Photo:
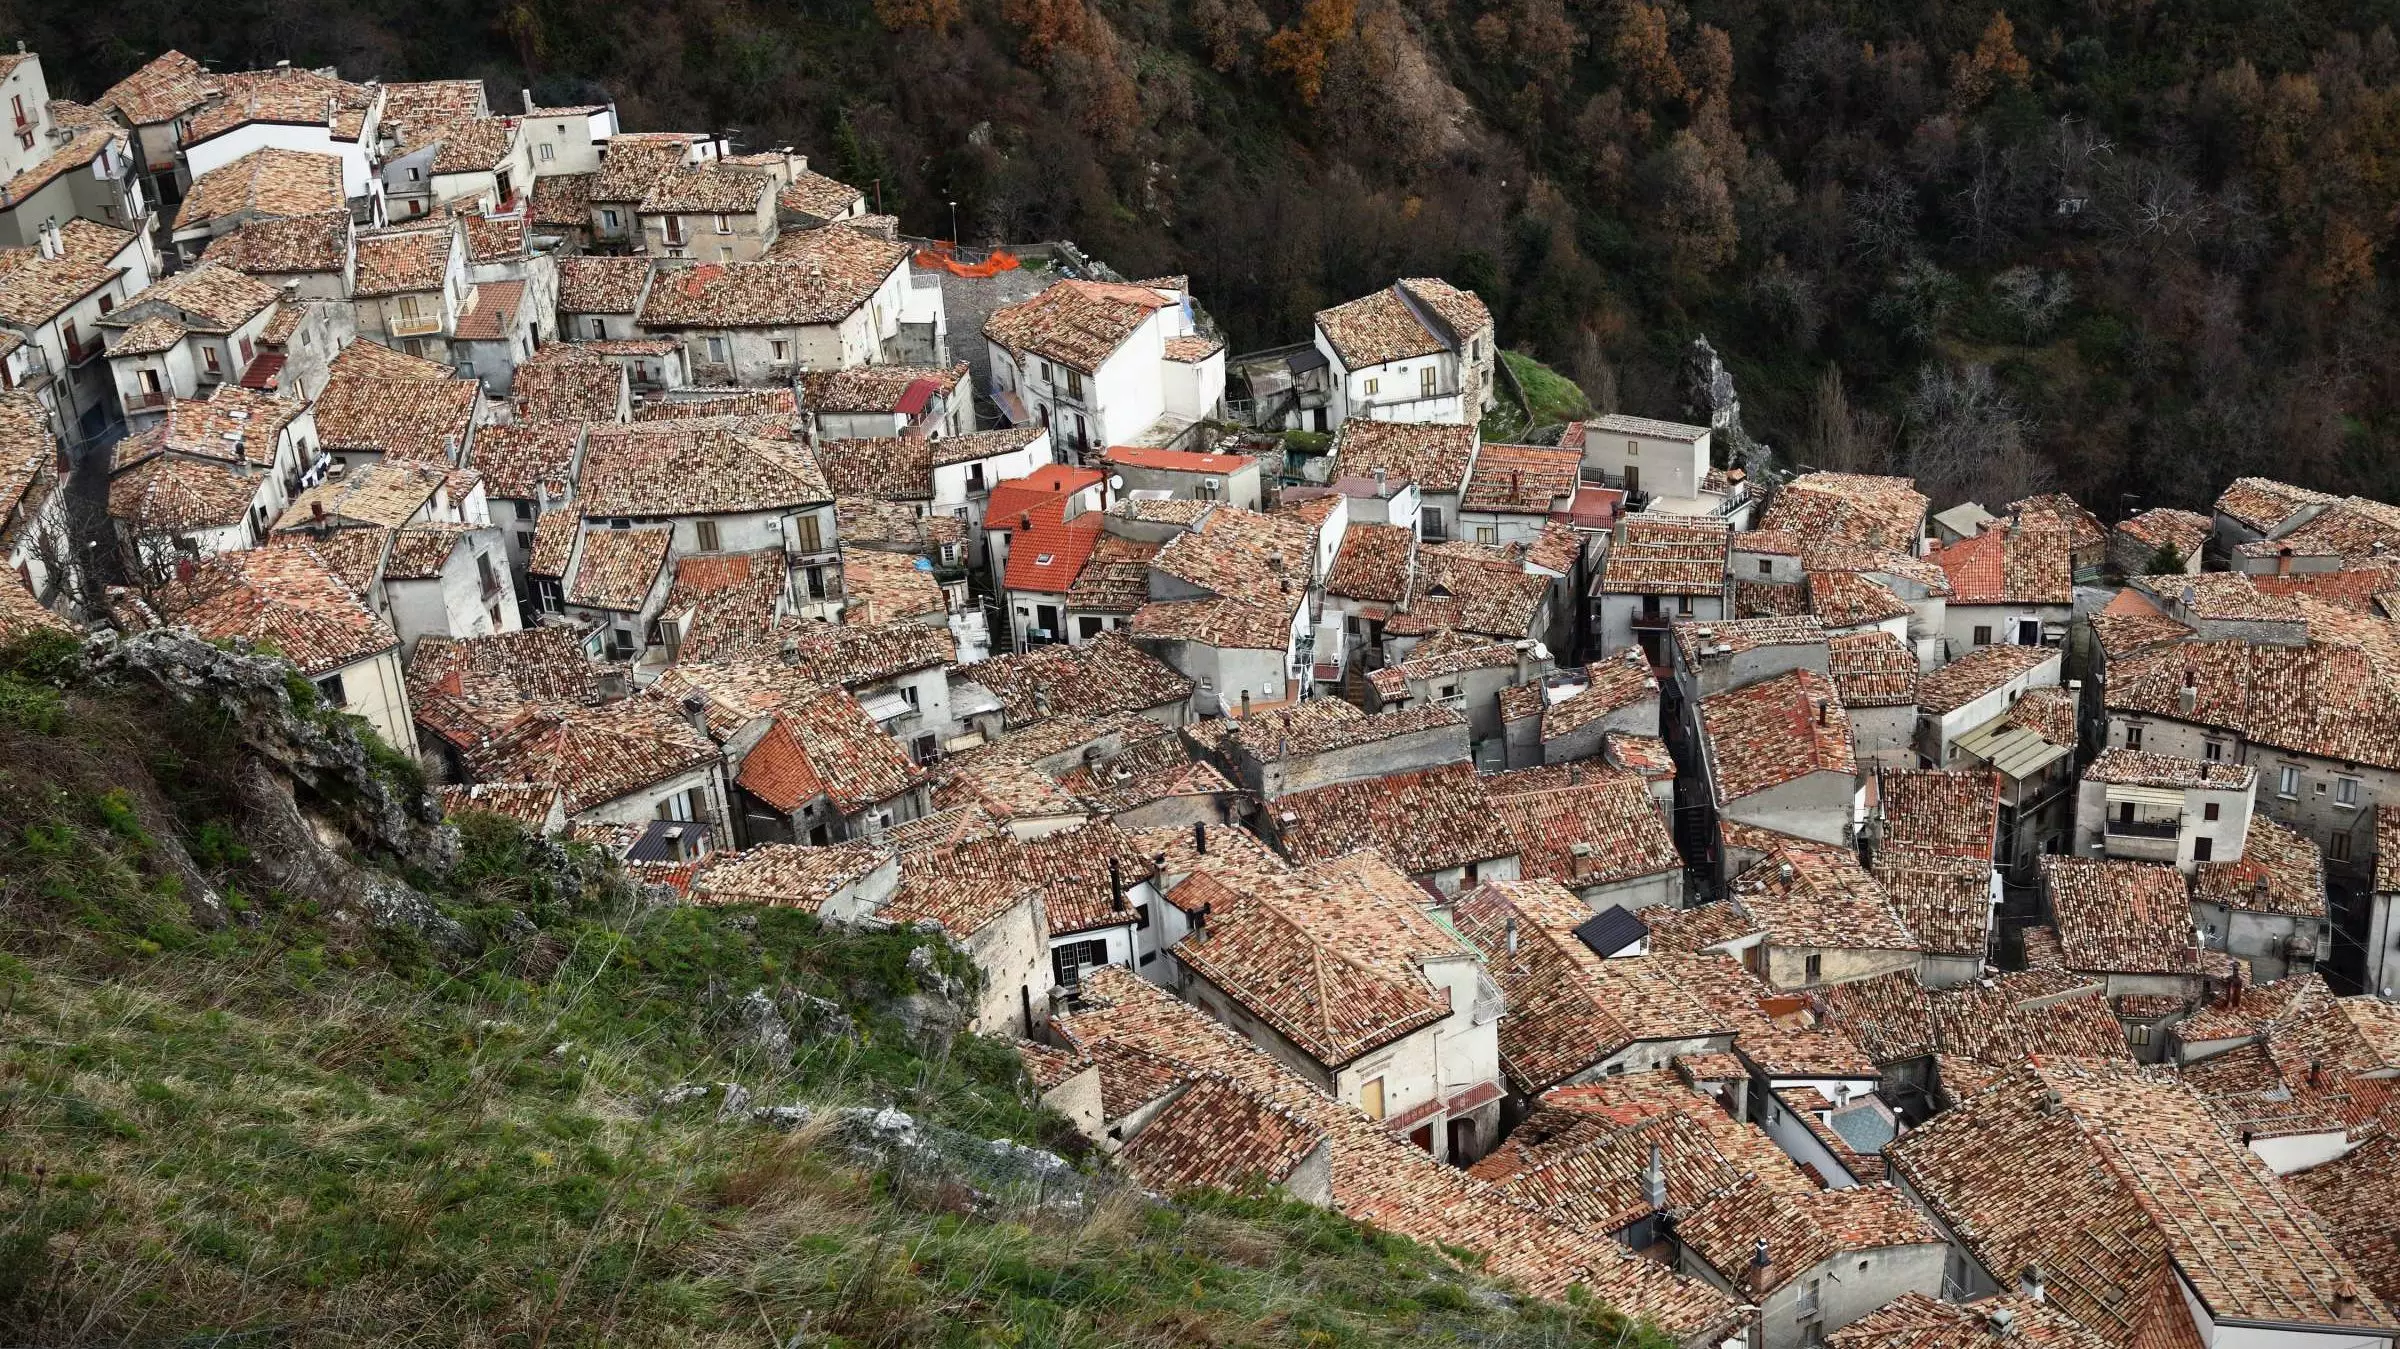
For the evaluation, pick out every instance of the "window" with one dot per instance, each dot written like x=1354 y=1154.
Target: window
x=671 y=229
x=609 y=219
x=1044 y=368
x=2137 y=1036
x=544 y=153
x=1633 y=449
x=1813 y=968
x=908 y=694
x=483 y=573
x=716 y=350
x=1370 y=1097
x=2338 y=847
x=415 y=175
x=2133 y=737
x=1087 y=627
x=209 y=355
x=706 y=532
x=329 y=689
x=1766 y=567
x=599 y=330
x=1141 y=917
x=2287 y=782
x=1372 y=384
x=1074 y=384
x=2203 y=847
x=1425 y=378
x=1069 y=960
x=524 y=510
x=524 y=540
x=807 y=534
x=108 y=302
x=1487 y=534
x=2212 y=751
x=2345 y=792
x=724 y=225
x=1983 y=635
x=2211 y=811
x=1683 y=604
x=725 y=254
x=676 y=807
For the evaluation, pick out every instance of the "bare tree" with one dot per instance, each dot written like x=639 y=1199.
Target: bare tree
x=2032 y=298
x=1967 y=439
x=1840 y=439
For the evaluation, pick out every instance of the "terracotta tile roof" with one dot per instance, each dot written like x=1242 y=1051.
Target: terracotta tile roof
x=494 y=312
x=2017 y=1016
x=1390 y=325
x=390 y=495
x=1765 y=734
x=520 y=459
x=1950 y=687
x=1522 y=479
x=553 y=548
x=1690 y=931
x=814 y=277
x=1873 y=669
x=474 y=144
x=1745 y=635
x=1116 y=577
x=2337 y=697
x=709 y=186
x=1955 y=814
x=2060 y=513
x=1583 y=1151
x=963 y=885
x=1100 y=678
x=1854 y=508
x=2101 y=1175
x=528 y=803
x=1889 y=1015
x=589 y=284
x=211 y=297
x=2262 y=503
x=35 y=289
x=595 y=754
x=1582 y=829
x=1332 y=959
x=1483 y=596
x=404 y=261
x=769 y=412
x=1915 y=1321
x=167 y=494
x=1428 y=821
x=675 y=469
x=2347 y=1196
x=1218 y=1136
x=2010 y=564
x=1847 y=599
x=888 y=588
x=1802 y=1229
x=494 y=238
x=1434 y=457
x=563 y=383
x=1243 y=624
x=633 y=163
x=148 y=337
x=616 y=568
x=1778 y=1039
x=168 y=86
x=1568 y=1008
x=1191 y=350
x=1820 y=897
x=1378 y=1178
x=813 y=194
x=2280 y=872
x=1318 y=726
x=829 y=744
x=562 y=201
x=286 y=595
x=2121 y=917
x=1666 y=556
x=268 y=182
x=1079 y=324
x=416 y=420
x=1373 y=563
x=888 y=468
x=2135 y=768
x=319 y=242
x=732 y=599
x=875 y=388
x=2186 y=531
x=467 y=688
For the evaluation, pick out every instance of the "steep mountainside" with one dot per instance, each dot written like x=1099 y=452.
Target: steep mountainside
x=2135 y=247
x=284 y=1061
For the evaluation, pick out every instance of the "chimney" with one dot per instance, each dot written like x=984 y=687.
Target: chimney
x=1245 y=704
x=1275 y=563
x=2188 y=696
x=1516 y=483
x=1525 y=671
x=1508 y=937
x=2029 y=1282
x=1200 y=837
x=2345 y=1300
x=1758 y=1267
x=1654 y=1181
x=527 y=96
x=1824 y=711
x=1116 y=887
x=1381 y=488
x=2283 y=561
x=695 y=711
x=1200 y=917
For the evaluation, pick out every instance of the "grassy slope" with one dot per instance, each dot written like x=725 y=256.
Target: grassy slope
x=1552 y=396
x=285 y=1129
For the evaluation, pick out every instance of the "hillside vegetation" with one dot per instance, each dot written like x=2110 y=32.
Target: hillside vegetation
x=536 y=1109
x=2131 y=248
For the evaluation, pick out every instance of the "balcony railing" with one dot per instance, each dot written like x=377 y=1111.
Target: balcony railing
x=414 y=327
x=1650 y=622
x=2146 y=828
x=147 y=400
x=81 y=349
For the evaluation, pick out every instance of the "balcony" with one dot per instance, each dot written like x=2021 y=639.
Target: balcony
x=2145 y=828
x=1652 y=621
x=147 y=400
x=81 y=349
x=406 y=326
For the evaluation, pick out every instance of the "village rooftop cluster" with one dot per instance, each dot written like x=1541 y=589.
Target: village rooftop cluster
x=1788 y=911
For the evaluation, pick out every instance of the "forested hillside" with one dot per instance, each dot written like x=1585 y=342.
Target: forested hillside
x=2131 y=247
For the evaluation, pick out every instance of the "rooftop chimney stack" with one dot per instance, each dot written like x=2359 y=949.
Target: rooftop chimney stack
x=1200 y=837
x=1654 y=1181
x=2030 y=1284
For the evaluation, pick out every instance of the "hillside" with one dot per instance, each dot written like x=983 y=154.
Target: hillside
x=2135 y=248
x=279 y=1057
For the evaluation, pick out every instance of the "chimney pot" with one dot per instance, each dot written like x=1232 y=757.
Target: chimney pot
x=1200 y=837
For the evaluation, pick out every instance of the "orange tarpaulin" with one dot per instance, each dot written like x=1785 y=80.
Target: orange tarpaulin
x=945 y=256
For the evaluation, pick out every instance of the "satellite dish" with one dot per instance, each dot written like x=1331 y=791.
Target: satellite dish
x=1116 y=482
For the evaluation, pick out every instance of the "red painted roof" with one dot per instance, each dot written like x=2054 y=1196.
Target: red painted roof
x=1067 y=545
x=914 y=398
x=263 y=371
x=1050 y=482
x=1180 y=461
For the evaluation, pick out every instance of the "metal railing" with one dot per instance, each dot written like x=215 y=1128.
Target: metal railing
x=2146 y=828
x=414 y=327
x=147 y=400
